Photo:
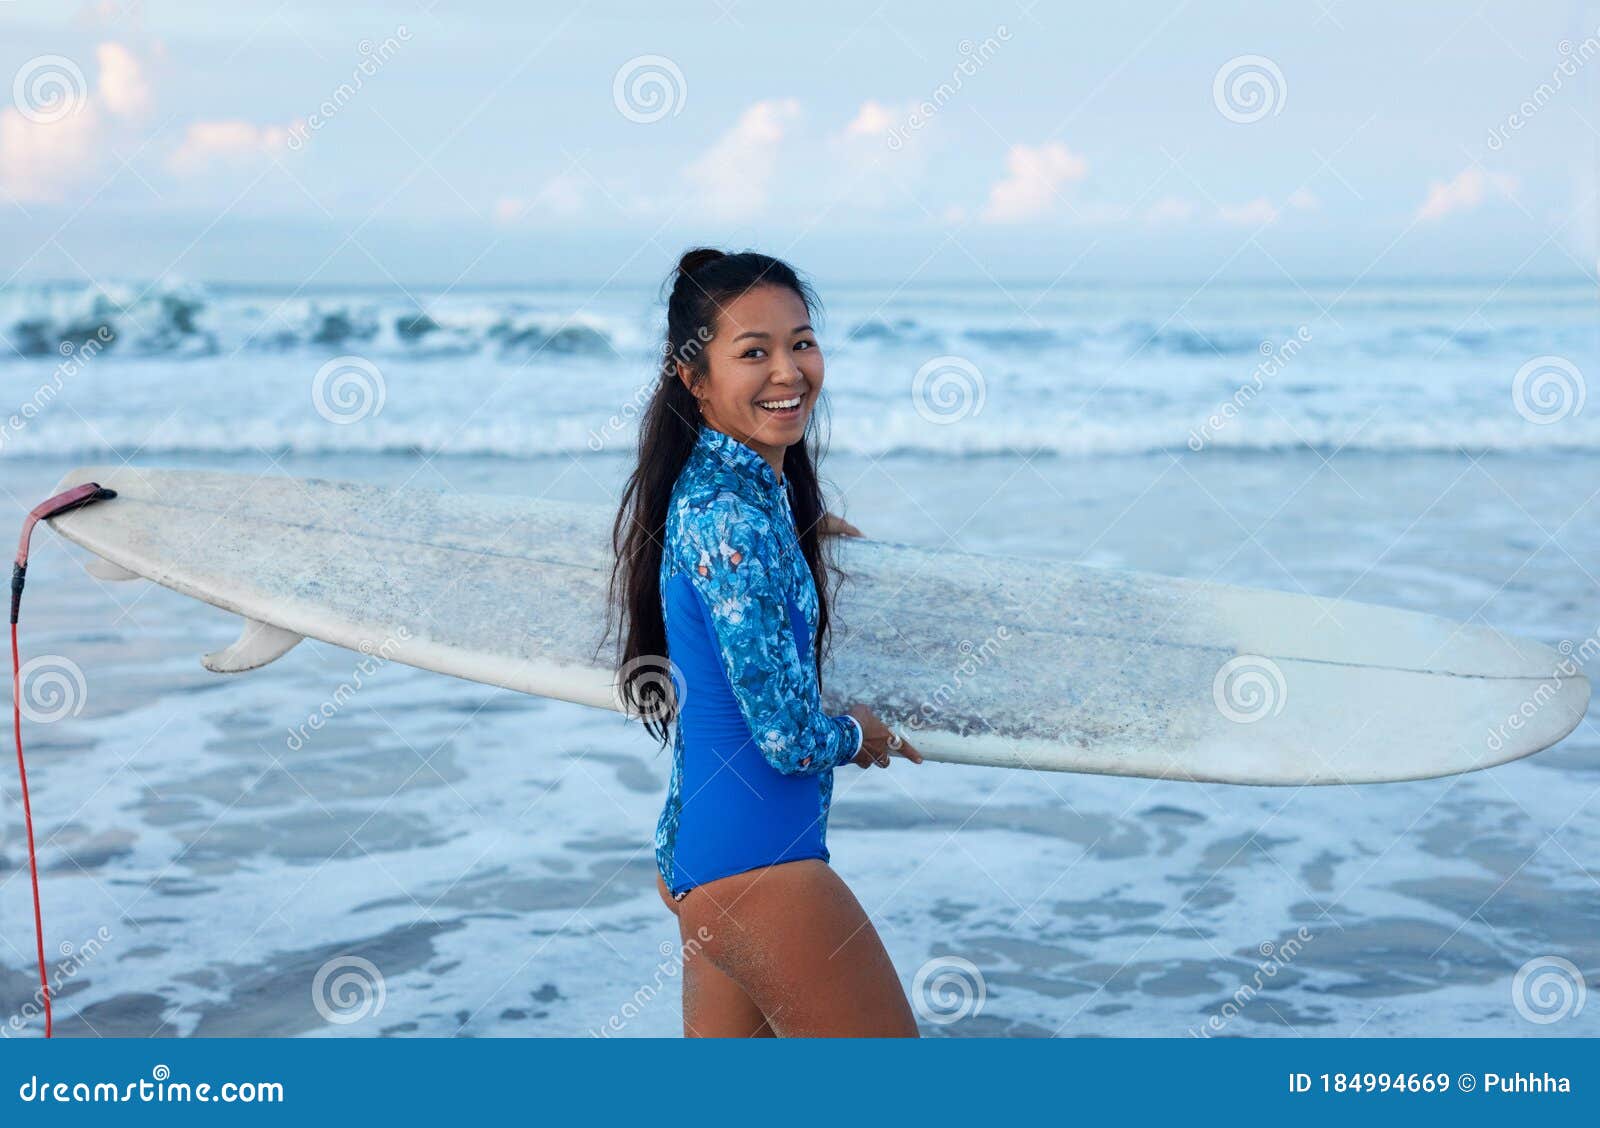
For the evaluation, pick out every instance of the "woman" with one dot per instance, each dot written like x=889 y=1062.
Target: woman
x=720 y=568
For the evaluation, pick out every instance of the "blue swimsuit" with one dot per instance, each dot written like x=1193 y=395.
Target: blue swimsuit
x=752 y=751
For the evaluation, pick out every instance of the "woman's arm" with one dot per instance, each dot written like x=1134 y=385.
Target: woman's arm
x=731 y=551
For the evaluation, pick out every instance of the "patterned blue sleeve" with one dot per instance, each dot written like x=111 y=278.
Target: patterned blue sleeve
x=729 y=549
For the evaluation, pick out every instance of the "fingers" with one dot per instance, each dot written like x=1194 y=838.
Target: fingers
x=897 y=746
x=881 y=743
x=871 y=756
x=834 y=525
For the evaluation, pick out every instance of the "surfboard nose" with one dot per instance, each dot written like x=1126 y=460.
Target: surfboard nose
x=1345 y=631
x=1510 y=656
x=106 y=475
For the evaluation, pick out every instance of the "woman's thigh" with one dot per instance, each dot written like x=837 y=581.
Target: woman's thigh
x=714 y=1005
x=797 y=942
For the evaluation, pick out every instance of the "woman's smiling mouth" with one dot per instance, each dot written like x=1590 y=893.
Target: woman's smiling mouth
x=786 y=408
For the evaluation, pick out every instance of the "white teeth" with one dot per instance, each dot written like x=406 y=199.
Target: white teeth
x=780 y=405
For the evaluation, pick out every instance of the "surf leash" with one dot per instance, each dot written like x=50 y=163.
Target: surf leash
x=75 y=498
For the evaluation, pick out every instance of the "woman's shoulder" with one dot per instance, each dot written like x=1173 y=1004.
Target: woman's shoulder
x=711 y=515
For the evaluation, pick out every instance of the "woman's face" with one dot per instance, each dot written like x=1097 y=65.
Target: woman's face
x=765 y=371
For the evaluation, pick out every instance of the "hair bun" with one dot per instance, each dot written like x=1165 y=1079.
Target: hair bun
x=699 y=257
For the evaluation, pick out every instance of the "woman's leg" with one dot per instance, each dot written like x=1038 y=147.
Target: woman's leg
x=798 y=944
x=714 y=1006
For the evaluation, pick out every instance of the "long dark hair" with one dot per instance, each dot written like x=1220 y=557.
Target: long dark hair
x=703 y=283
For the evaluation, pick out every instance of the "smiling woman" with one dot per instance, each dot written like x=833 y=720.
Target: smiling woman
x=721 y=576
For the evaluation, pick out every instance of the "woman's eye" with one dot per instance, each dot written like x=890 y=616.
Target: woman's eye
x=754 y=353
x=805 y=344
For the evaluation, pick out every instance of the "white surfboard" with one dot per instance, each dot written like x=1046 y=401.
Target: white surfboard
x=977 y=659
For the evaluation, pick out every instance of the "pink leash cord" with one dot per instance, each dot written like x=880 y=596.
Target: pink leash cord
x=74 y=498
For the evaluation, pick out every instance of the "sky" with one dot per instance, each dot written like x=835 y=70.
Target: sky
x=465 y=144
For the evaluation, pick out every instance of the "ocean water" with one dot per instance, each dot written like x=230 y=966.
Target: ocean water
x=445 y=858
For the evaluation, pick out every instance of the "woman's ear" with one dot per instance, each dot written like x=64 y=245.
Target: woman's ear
x=685 y=376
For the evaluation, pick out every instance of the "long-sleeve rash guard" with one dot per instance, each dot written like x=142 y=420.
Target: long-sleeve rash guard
x=753 y=751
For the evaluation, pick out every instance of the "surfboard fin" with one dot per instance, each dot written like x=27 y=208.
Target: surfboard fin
x=258 y=643
x=102 y=569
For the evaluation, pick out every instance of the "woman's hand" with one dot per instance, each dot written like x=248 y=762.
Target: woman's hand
x=878 y=743
x=837 y=526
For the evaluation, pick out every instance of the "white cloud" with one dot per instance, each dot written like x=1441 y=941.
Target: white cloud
x=1469 y=189
x=1101 y=213
x=41 y=158
x=563 y=197
x=872 y=120
x=734 y=176
x=39 y=161
x=209 y=145
x=1302 y=200
x=110 y=13
x=1169 y=209
x=123 y=88
x=1253 y=214
x=1035 y=175
x=877 y=162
